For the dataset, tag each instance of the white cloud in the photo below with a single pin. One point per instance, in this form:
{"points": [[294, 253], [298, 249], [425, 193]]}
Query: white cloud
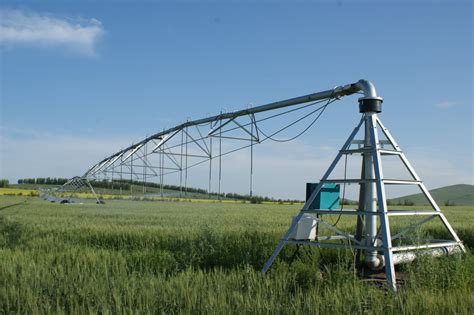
{"points": [[21, 27], [448, 104]]}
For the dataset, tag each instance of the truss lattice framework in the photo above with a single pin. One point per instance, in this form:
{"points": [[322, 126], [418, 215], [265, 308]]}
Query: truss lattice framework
{"points": [[182, 149], [178, 149]]}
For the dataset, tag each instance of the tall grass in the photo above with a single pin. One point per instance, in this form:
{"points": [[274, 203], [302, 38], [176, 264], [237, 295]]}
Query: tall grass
{"points": [[126, 257]]}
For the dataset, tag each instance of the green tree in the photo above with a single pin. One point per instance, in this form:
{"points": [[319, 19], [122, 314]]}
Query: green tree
{"points": [[4, 183]]}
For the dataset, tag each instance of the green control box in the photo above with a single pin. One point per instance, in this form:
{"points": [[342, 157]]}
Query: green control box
{"points": [[327, 198]]}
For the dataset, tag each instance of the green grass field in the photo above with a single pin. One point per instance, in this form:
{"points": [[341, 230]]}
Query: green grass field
{"points": [[178, 257]]}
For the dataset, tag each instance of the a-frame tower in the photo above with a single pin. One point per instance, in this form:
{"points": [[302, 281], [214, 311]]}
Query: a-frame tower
{"points": [[372, 235]]}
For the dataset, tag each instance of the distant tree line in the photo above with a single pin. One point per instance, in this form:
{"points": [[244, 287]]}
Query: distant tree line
{"points": [[4, 183], [106, 184], [405, 202], [43, 181], [127, 184]]}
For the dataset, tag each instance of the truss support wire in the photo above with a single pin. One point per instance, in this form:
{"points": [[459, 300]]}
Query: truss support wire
{"points": [[131, 176], [220, 159], [186, 162], [210, 163], [121, 174], [145, 168], [181, 167], [251, 162]]}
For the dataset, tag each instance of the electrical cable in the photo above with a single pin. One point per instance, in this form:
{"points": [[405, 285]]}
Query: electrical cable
{"points": [[322, 108], [277, 115], [264, 119]]}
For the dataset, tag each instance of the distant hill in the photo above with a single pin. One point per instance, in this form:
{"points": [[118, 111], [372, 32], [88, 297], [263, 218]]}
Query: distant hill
{"points": [[459, 195]]}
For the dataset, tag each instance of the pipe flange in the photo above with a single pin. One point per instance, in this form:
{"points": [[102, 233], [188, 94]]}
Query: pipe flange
{"points": [[370, 104]]}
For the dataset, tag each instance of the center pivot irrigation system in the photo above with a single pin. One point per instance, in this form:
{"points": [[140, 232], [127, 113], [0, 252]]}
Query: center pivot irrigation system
{"points": [[178, 149]]}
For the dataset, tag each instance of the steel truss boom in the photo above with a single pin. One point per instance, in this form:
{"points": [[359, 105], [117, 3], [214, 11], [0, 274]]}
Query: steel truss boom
{"points": [[339, 91]]}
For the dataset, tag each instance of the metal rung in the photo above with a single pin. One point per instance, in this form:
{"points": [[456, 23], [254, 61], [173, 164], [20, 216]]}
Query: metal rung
{"points": [[347, 181], [412, 212], [354, 151], [401, 182], [346, 211], [314, 243], [363, 142], [390, 152], [330, 238], [432, 245], [385, 181], [363, 150], [356, 212], [335, 211]]}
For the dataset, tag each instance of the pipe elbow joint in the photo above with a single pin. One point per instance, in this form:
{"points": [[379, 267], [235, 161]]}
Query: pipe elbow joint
{"points": [[367, 87], [370, 102]]}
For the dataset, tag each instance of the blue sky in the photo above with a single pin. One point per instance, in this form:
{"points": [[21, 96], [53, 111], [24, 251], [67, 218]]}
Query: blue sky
{"points": [[138, 67]]}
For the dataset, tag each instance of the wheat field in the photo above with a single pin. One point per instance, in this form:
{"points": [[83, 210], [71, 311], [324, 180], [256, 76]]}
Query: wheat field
{"points": [[202, 258]]}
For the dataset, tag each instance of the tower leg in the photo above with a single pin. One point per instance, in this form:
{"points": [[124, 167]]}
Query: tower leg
{"points": [[360, 217], [93, 191], [277, 250], [382, 203]]}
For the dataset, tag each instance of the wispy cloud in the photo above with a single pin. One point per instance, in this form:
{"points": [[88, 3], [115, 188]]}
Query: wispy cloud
{"points": [[448, 104], [279, 170], [24, 27]]}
